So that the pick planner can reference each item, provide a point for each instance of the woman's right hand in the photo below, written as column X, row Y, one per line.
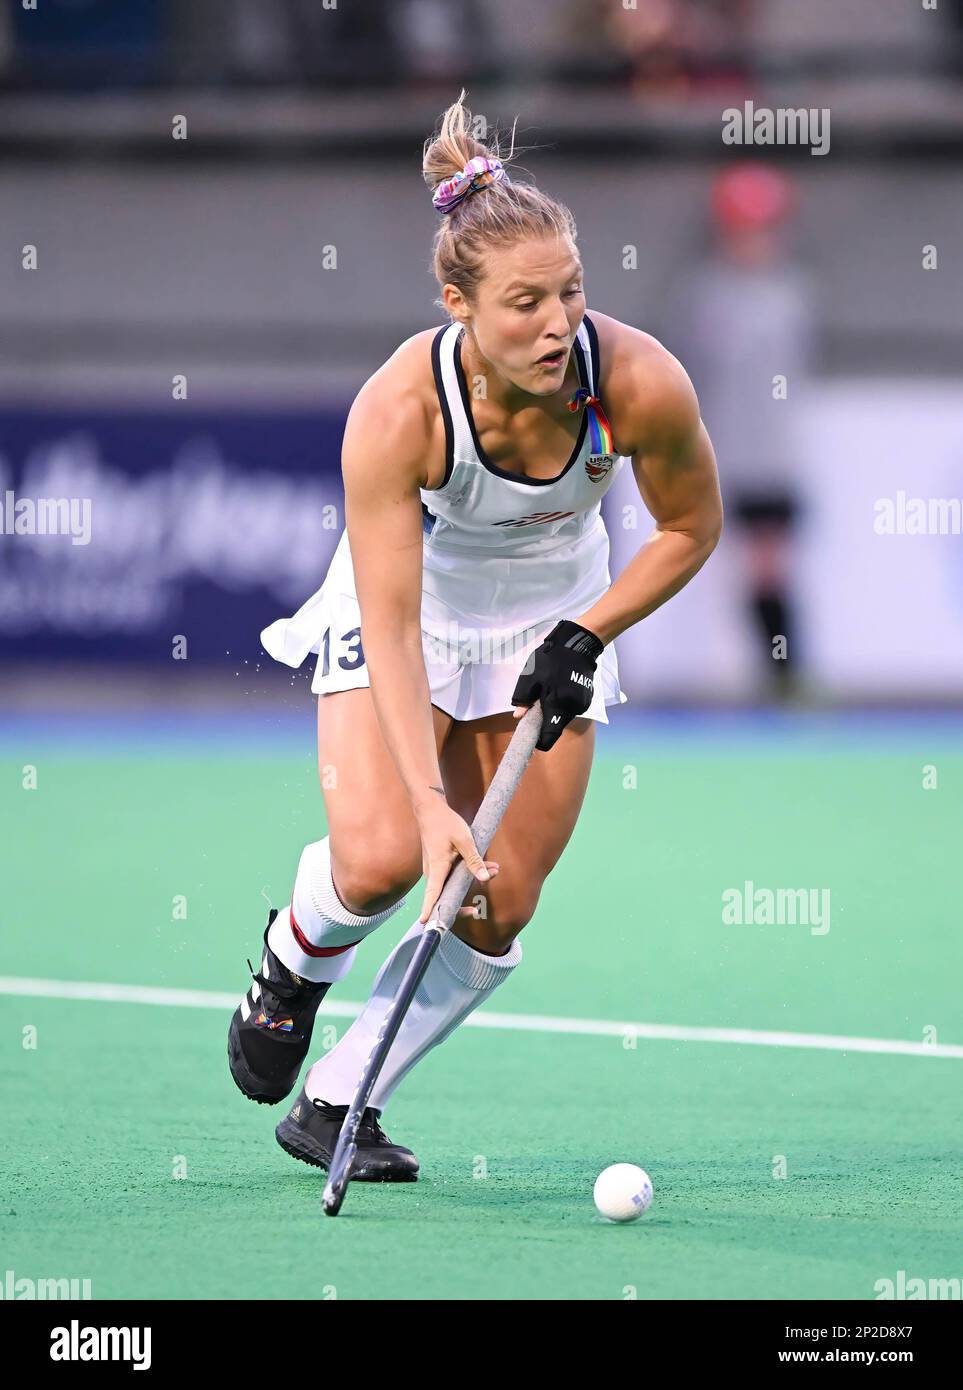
column 445, row 837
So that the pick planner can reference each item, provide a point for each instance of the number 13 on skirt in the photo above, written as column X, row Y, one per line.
column 355, row 657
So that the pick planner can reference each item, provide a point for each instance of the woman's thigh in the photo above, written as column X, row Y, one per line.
column 536, row 826
column 375, row 844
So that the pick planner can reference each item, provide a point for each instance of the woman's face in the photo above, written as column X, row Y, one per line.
column 530, row 304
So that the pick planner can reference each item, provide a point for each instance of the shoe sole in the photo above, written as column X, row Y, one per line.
column 299, row 1145
column 244, row 1079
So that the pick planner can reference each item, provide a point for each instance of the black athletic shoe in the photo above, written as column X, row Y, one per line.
column 270, row 1032
column 310, row 1132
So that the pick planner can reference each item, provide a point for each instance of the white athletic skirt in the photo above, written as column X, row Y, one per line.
column 472, row 663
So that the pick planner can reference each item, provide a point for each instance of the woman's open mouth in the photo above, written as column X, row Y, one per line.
column 552, row 359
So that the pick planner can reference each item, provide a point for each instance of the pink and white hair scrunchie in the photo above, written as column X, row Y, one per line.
column 478, row 173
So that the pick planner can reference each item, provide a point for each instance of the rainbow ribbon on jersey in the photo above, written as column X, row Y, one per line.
column 600, row 431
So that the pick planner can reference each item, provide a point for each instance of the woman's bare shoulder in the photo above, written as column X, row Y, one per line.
column 621, row 343
column 406, row 373
column 397, row 415
column 641, row 383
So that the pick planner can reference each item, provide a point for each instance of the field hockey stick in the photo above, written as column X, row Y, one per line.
column 494, row 805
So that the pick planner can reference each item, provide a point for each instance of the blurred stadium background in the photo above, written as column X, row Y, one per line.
column 210, row 257
column 273, row 259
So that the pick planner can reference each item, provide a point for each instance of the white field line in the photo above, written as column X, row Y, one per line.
column 530, row 1023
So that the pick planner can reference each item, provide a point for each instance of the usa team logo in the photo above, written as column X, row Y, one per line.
column 599, row 466
column 602, row 452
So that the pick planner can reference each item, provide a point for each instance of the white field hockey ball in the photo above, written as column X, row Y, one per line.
column 623, row 1191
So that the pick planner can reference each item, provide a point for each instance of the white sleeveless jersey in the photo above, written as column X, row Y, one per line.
column 505, row 558
column 502, row 548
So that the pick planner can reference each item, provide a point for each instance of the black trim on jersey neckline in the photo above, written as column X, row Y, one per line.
column 445, row 409
column 593, row 336
column 483, row 457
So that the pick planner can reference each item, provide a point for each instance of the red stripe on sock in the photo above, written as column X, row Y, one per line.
column 310, row 949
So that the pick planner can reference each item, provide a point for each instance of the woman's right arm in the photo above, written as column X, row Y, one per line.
column 386, row 444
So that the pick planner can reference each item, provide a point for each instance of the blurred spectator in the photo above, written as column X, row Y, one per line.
column 293, row 41
column 669, row 46
column 112, row 43
column 743, row 326
column 444, row 41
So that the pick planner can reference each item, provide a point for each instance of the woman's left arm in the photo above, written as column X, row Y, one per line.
column 655, row 414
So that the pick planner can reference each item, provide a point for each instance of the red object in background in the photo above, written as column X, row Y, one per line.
column 751, row 196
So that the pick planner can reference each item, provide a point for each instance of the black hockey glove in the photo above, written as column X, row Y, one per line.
column 561, row 674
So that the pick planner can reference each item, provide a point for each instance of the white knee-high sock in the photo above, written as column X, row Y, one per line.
column 315, row 935
column 457, row 980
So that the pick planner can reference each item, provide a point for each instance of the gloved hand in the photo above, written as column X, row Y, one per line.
column 560, row 673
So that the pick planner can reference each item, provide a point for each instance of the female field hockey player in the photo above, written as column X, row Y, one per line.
column 471, row 581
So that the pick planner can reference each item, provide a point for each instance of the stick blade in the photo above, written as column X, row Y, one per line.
column 331, row 1201
column 335, row 1187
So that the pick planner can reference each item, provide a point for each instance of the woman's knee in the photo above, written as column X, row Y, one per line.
column 502, row 915
column 371, row 873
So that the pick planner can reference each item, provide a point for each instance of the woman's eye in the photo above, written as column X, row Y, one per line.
column 569, row 294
